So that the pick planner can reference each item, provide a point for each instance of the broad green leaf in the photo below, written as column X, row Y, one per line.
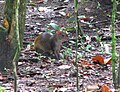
column 55, row 26
column 70, row 28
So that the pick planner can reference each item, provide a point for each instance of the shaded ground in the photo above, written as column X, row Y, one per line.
column 40, row 74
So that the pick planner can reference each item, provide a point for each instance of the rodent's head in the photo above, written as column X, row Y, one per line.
column 62, row 36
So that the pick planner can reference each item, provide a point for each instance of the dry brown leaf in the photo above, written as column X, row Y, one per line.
column 5, row 23
column 92, row 88
column 108, row 60
column 64, row 67
column 105, row 88
column 101, row 60
column 118, row 12
column 98, row 58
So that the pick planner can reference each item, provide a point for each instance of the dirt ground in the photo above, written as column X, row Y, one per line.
column 38, row 73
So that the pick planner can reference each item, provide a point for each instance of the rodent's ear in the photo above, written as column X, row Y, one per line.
column 58, row 32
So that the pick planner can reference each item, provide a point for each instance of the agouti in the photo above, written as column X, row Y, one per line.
column 48, row 42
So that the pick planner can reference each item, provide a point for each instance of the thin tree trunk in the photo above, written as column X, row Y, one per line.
column 8, row 36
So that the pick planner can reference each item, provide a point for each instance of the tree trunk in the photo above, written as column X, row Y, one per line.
column 8, row 36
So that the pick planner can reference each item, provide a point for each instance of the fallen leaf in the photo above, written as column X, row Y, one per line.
column 106, row 29
column 88, row 39
column 62, row 90
column 40, row 1
column 105, row 88
column 118, row 12
column 68, row 14
column 2, row 77
column 108, row 60
column 92, row 88
column 107, row 49
column 64, row 67
column 87, row 9
column 42, row 9
column 85, row 63
column 101, row 60
column 86, row 19
column 5, row 23
column 58, row 85
column 98, row 58
column 62, row 13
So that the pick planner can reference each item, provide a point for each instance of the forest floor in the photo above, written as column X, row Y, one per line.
column 38, row 73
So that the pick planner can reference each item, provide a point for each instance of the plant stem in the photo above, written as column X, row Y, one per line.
column 114, row 10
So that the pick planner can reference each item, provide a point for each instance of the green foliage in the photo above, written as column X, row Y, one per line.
column 67, row 52
column 52, row 27
column 98, row 38
column 55, row 26
column 88, row 47
column 98, row 5
column 2, row 89
column 70, row 28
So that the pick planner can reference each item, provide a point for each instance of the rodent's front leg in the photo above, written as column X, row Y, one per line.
column 57, row 55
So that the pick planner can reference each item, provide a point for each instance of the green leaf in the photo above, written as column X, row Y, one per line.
column 55, row 26
column 70, row 28
column 71, row 19
column 50, row 31
column 73, row 42
column 88, row 47
column 2, row 89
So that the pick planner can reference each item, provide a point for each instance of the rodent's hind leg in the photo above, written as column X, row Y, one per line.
column 57, row 55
